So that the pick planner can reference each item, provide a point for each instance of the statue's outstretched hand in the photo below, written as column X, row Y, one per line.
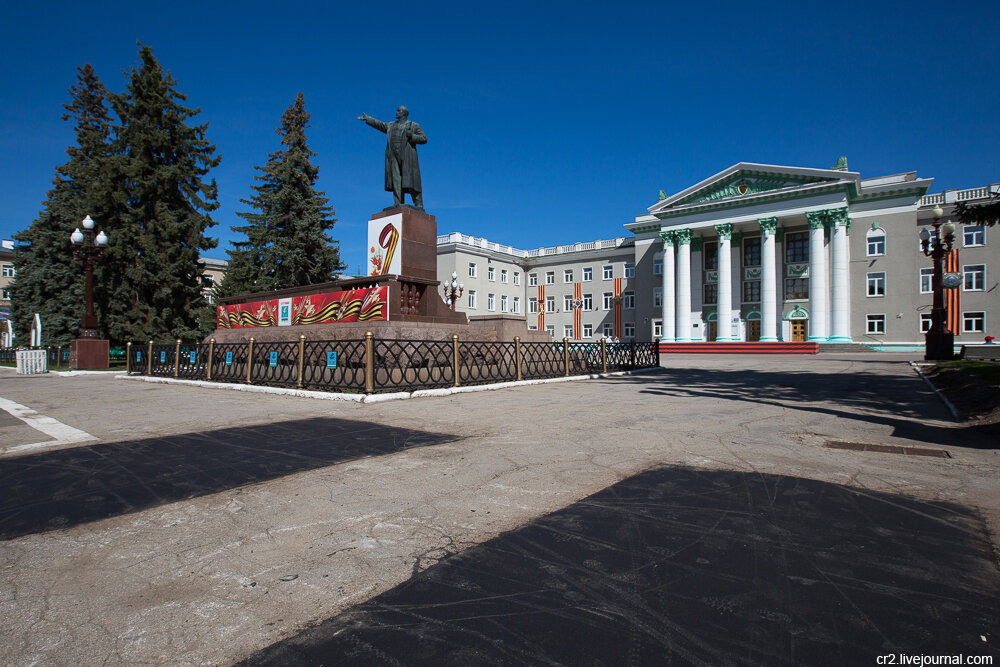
column 363, row 116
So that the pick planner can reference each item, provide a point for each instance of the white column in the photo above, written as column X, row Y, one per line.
column 724, row 308
column 840, row 311
column 683, row 237
column 668, row 298
column 818, row 287
column 768, row 282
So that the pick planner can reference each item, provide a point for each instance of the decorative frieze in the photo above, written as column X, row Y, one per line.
column 752, row 274
column 711, row 276
column 797, row 270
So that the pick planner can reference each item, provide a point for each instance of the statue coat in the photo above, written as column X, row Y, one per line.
column 409, row 168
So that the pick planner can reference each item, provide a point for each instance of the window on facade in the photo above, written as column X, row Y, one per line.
column 876, row 284
column 5, row 294
column 491, row 302
column 926, row 281
column 875, row 324
column 657, row 267
column 975, row 277
column 491, row 274
column 532, row 327
column 751, row 252
column 472, row 269
column 658, row 297
column 876, row 243
column 207, row 280
column 711, row 253
column 550, row 304
column 588, row 301
column 797, row 247
column 973, row 322
column 608, row 329
column 711, row 293
column 567, row 275
column 550, row 329
column 568, row 302
column 628, row 330
column 532, row 279
column 503, row 303
column 608, row 302
column 532, row 306
column 503, row 275
column 609, row 272
column 796, row 288
column 567, row 331
column 472, row 298
column 7, row 270
column 973, row 235
column 588, row 274
column 657, row 329
column 517, row 278
column 550, row 277
column 517, row 304
column 926, row 319
column 628, row 300
column 588, row 330
column 751, row 291
column 630, row 270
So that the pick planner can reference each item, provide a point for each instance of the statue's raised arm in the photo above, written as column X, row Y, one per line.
column 402, row 171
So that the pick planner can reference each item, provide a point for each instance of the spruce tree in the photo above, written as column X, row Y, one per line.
column 49, row 280
column 153, row 287
column 287, row 243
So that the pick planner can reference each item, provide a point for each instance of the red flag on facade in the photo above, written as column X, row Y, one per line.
column 952, row 297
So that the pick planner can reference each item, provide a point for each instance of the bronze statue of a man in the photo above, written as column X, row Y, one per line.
column 402, row 172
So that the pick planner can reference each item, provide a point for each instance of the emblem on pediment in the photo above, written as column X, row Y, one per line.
column 741, row 188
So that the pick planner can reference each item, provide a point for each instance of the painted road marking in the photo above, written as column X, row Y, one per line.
column 62, row 434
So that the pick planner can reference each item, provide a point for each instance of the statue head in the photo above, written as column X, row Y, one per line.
column 402, row 113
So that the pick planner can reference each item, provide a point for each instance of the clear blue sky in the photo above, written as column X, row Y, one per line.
column 547, row 122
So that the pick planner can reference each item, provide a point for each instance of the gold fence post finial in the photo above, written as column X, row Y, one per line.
column 128, row 358
column 517, row 356
column 177, row 357
column 369, row 362
column 302, row 348
column 566, row 356
column 149, row 359
column 454, row 359
column 249, row 358
column 211, row 358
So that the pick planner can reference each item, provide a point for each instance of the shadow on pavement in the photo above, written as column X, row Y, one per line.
column 73, row 486
column 682, row 566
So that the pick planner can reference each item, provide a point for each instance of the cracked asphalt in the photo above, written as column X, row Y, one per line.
column 211, row 527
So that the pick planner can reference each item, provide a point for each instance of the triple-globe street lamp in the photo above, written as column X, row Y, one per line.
column 90, row 248
column 939, row 344
column 453, row 290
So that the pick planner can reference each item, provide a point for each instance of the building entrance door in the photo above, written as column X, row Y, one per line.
column 713, row 331
column 753, row 330
column 799, row 331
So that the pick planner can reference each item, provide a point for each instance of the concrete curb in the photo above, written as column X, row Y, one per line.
column 376, row 398
column 944, row 399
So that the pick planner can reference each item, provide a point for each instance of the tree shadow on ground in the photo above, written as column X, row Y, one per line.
column 72, row 486
column 684, row 566
column 901, row 402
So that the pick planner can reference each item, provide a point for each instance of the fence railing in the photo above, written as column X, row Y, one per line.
column 374, row 365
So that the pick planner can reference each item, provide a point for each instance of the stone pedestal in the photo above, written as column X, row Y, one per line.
column 409, row 250
column 88, row 353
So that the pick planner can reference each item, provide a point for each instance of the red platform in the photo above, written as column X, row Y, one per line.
column 88, row 353
column 738, row 348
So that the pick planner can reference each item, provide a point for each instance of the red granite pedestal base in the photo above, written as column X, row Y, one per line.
column 88, row 353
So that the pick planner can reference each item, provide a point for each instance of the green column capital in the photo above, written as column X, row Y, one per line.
column 768, row 225
column 683, row 236
column 668, row 238
column 724, row 231
column 816, row 219
column 838, row 217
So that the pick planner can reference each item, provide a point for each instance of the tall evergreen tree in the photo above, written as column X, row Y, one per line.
column 287, row 243
column 153, row 287
column 49, row 280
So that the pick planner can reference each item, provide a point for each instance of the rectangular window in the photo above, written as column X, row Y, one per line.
column 491, row 274
column 588, row 301
column 567, row 302
column 491, row 302
column 797, row 248
column 567, row 331
column 472, row 269
column 550, row 277
column 751, row 252
column 926, row 319
column 550, row 304
column 517, row 304
column 503, row 275
column 629, row 270
column 657, row 267
column 517, row 278
column 629, row 300
column 472, row 298
column 974, row 322
column 503, row 303
column 711, row 253
column 207, row 280
column 608, row 329
column 588, row 330
column 588, row 274
column 532, row 306
column 975, row 277
column 567, row 275
column 532, row 279
column 926, row 281
column 608, row 296
column 628, row 330
column 973, row 235
column 7, row 270
column 550, row 329
column 657, row 329
column 875, row 324
column 532, row 327
column 796, row 288
column 609, row 272
column 658, row 297
column 876, row 284
column 876, row 244
column 711, row 294
column 5, row 294
column 751, row 291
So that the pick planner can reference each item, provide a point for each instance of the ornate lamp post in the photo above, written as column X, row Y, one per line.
column 88, row 351
column 939, row 344
column 453, row 290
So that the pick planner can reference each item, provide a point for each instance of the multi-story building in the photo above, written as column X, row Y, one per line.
column 6, row 278
column 754, row 253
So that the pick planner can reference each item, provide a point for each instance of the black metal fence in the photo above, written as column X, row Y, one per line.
column 378, row 366
column 55, row 356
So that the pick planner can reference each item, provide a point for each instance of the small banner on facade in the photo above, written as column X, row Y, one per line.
column 359, row 305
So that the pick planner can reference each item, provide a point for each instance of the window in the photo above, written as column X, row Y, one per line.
column 588, row 301
column 550, row 329
column 796, row 288
column 503, row 303
column 491, row 302
column 567, row 275
column 926, row 319
column 491, row 274
column 751, row 291
column 629, row 270
column 797, row 248
column 711, row 253
column 567, row 331
column 876, row 284
column 472, row 298
column 657, row 267
column 657, row 329
column 629, row 300
column 7, row 270
column 550, row 277
column 568, row 302
column 472, row 269
column 503, row 275
column 532, row 306
column 875, row 324
column 658, row 297
column 532, row 279
column 711, row 293
column 588, row 330
column 207, row 280
column 628, row 330
column 973, row 235
column 5, row 294
column 588, row 274
column 876, row 242
column 975, row 277
column 550, row 304
column 517, row 304
column 608, row 329
column 608, row 272
column 974, row 322
column 926, row 281
column 751, row 252
column 532, row 327
column 608, row 300
column 517, row 278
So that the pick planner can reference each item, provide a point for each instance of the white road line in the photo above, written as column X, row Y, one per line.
column 63, row 434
